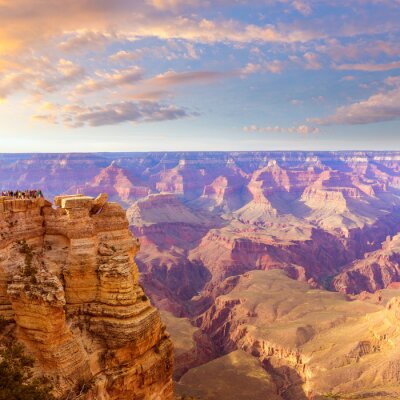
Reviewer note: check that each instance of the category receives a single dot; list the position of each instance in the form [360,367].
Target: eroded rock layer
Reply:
[315,344]
[69,281]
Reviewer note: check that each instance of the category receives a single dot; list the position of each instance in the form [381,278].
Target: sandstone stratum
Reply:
[70,293]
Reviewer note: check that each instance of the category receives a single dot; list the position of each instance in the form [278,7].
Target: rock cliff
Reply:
[376,270]
[69,283]
[315,344]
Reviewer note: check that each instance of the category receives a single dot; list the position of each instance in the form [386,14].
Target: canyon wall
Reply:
[315,344]
[70,285]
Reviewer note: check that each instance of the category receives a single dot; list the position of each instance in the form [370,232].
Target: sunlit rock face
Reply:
[69,281]
[376,270]
[312,342]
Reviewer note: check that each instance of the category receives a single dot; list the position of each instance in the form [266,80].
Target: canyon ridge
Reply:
[278,271]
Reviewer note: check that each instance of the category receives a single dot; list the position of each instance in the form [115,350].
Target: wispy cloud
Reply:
[172,78]
[274,67]
[383,106]
[124,56]
[127,60]
[40,75]
[299,129]
[110,80]
[369,67]
[303,7]
[75,116]
[86,39]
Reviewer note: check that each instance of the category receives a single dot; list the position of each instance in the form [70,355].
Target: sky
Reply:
[165,75]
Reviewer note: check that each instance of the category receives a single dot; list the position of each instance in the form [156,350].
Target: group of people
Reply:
[22,194]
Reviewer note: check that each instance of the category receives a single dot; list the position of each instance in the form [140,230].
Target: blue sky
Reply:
[199,75]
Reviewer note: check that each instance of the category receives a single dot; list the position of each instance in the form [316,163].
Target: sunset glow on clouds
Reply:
[145,75]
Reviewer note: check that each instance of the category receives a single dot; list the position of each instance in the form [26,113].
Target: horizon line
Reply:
[204,151]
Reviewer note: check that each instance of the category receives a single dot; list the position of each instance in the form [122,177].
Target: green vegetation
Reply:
[16,382]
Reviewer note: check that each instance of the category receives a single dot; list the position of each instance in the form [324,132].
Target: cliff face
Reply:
[315,344]
[68,279]
[376,270]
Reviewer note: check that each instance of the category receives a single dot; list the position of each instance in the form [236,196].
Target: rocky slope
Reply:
[376,270]
[313,343]
[236,375]
[69,283]
[117,182]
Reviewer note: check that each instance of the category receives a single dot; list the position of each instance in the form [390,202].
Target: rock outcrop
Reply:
[376,270]
[315,344]
[69,281]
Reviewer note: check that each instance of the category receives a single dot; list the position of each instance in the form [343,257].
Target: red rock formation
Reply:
[70,283]
[117,183]
[377,270]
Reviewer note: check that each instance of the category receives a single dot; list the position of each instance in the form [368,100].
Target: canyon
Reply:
[276,270]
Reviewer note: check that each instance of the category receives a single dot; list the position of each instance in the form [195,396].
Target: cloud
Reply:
[45,118]
[77,24]
[173,50]
[62,36]
[299,129]
[302,7]
[127,76]
[12,82]
[173,78]
[380,107]
[274,66]
[70,70]
[369,67]
[40,75]
[133,78]
[151,95]
[358,49]
[116,113]
[296,102]
[191,52]
[123,55]
[211,31]
[174,4]
[311,61]
[86,39]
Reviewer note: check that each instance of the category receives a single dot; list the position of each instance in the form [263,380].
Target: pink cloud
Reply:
[171,78]
[274,66]
[380,107]
[302,7]
[311,61]
[356,50]
[108,81]
[369,67]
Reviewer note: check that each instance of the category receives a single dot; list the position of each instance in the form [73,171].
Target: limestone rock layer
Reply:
[69,281]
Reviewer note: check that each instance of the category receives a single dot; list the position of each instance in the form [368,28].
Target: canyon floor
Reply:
[277,271]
